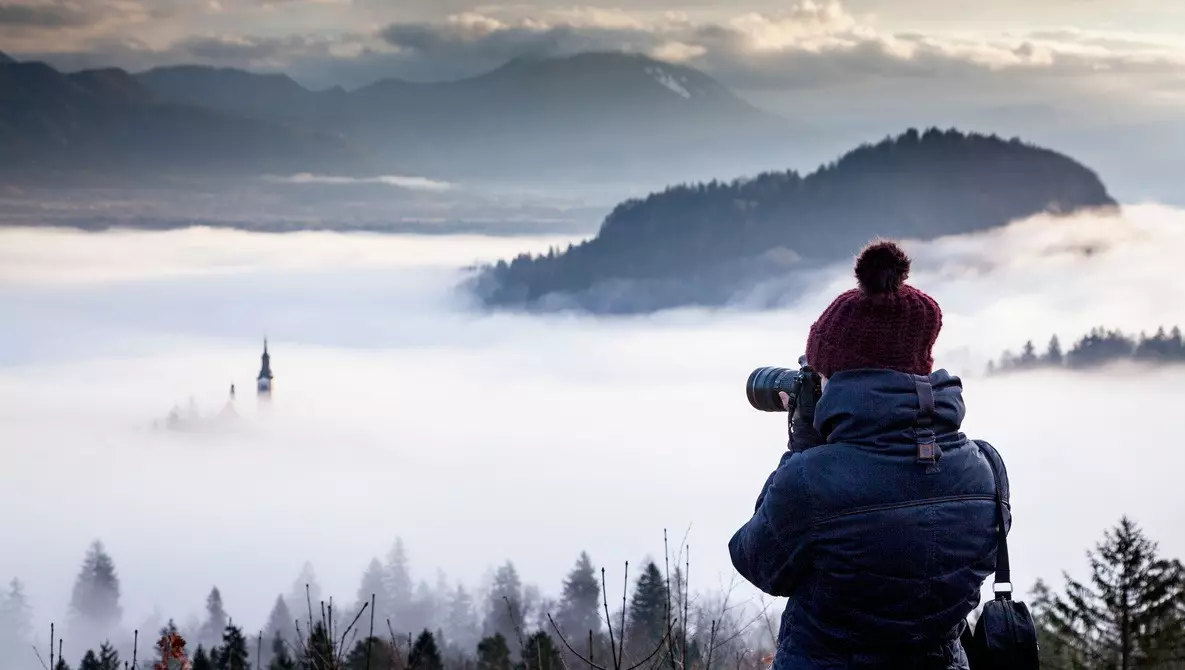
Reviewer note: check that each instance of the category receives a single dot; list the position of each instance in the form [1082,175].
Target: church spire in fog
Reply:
[263,384]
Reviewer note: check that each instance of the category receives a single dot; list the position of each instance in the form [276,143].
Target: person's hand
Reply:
[800,423]
[785,400]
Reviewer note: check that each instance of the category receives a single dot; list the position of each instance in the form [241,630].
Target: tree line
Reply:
[392,625]
[1099,347]
[1128,613]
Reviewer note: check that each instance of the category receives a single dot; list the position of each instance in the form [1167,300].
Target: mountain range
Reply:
[107,121]
[758,240]
[589,115]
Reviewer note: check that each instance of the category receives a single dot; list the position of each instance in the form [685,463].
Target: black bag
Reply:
[1005,634]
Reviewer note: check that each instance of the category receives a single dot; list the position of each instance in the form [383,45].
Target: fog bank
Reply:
[477,438]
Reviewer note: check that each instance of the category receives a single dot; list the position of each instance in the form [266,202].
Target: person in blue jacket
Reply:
[879,523]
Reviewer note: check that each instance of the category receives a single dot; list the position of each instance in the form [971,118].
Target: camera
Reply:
[765,383]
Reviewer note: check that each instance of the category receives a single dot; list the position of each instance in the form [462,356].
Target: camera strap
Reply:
[928,450]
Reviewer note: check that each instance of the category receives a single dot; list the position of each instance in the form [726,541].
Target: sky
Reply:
[477,438]
[753,44]
[1101,80]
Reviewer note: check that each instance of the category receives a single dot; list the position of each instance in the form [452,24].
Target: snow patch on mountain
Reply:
[670,82]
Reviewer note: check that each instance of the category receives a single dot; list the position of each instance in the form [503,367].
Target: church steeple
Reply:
[263,383]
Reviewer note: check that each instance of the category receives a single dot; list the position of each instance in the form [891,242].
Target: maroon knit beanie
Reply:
[883,324]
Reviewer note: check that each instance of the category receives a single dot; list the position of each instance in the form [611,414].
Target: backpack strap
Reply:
[1002,585]
[928,450]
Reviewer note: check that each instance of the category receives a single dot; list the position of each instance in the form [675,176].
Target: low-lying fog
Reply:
[398,411]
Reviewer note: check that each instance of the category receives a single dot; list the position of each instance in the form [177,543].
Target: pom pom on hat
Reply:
[881,268]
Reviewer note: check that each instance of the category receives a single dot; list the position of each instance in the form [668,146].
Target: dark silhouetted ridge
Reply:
[709,243]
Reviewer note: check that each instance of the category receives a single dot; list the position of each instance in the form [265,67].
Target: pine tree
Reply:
[216,619]
[425,655]
[493,653]
[397,582]
[109,657]
[61,665]
[382,655]
[281,622]
[1125,615]
[94,602]
[16,622]
[373,585]
[1054,653]
[233,654]
[422,613]
[201,659]
[305,594]
[1053,353]
[504,607]
[461,622]
[281,659]
[541,653]
[90,662]
[1028,356]
[319,653]
[648,610]
[579,607]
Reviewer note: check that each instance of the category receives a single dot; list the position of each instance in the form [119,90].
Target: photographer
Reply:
[879,522]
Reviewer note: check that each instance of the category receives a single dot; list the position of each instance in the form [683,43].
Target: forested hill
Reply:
[708,243]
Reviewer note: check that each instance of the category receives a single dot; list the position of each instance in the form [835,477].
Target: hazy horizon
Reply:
[394,397]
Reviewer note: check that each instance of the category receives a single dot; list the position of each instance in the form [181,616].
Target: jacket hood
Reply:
[883,407]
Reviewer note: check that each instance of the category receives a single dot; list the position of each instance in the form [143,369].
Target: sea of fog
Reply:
[400,411]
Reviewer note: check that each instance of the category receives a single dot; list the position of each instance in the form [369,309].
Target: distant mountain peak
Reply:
[5,58]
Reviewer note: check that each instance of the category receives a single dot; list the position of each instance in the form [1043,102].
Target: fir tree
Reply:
[216,619]
[281,622]
[425,655]
[61,664]
[504,607]
[16,622]
[90,662]
[373,585]
[493,653]
[109,657]
[461,622]
[1124,616]
[648,610]
[422,613]
[94,602]
[281,659]
[319,653]
[579,607]
[201,660]
[541,653]
[397,582]
[1028,356]
[1053,353]
[305,594]
[382,655]
[233,655]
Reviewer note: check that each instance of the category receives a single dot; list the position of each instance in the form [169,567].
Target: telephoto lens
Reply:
[765,383]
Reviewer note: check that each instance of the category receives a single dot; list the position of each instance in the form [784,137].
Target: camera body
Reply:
[765,383]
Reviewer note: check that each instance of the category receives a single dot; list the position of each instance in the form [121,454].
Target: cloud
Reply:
[400,412]
[809,44]
[413,183]
[44,15]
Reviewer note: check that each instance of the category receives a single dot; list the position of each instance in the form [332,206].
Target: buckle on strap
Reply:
[928,450]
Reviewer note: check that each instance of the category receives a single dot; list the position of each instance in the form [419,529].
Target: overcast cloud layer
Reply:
[1102,80]
[400,412]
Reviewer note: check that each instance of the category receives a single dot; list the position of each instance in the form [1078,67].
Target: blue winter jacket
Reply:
[881,533]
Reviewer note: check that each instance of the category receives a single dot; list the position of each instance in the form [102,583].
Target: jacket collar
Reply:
[882,407]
